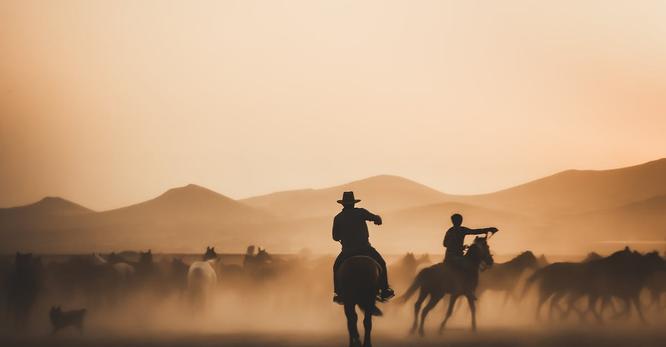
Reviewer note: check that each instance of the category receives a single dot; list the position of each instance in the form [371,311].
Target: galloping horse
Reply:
[201,278]
[359,278]
[438,280]
[505,277]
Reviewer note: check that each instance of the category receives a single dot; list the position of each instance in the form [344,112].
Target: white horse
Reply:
[201,281]
[123,271]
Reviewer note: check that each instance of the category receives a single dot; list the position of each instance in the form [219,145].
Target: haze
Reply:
[109,103]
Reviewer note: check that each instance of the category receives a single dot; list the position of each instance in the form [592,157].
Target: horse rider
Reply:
[351,230]
[454,240]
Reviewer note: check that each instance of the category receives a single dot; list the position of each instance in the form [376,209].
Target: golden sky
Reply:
[108,103]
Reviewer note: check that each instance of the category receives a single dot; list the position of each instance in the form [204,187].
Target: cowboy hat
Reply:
[348,198]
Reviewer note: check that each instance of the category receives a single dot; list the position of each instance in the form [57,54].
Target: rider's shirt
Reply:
[350,229]
[454,240]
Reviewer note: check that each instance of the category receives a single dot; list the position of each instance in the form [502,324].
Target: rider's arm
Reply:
[469,231]
[372,217]
[336,230]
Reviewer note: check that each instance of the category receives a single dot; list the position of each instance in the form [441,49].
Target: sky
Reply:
[108,103]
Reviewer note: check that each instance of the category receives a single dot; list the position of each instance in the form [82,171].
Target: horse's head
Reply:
[481,251]
[409,259]
[424,259]
[263,256]
[592,256]
[210,254]
[146,257]
[528,260]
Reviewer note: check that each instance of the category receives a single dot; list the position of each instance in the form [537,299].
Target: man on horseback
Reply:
[454,240]
[351,230]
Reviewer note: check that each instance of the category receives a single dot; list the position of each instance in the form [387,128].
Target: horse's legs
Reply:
[543,296]
[417,308]
[555,303]
[434,299]
[592,307]
[367,325]
[352,318]
[626,310]
[637,303]
[449,311]
[472,308]
[572,302]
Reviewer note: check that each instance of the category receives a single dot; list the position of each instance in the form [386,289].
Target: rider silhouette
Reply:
[454,240]
[351,230]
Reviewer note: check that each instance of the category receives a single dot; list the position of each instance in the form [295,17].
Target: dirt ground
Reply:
[453,338]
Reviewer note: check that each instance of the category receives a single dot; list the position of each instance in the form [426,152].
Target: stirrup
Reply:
[385,295]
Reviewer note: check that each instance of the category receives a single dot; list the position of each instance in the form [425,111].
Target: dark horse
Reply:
[359,278]
[25,284]
[438,280]
[505,277]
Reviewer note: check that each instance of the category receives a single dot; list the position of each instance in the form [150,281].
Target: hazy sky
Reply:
[108,103]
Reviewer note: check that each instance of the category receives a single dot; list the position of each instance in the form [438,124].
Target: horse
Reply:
[24,286]
[359,285]
[261,265]
[656,285]
[177,276]
[505,277]
[201,277]
[404,270]
[621,275]
[622,278]
[440,279]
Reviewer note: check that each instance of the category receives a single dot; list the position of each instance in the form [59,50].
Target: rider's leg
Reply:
[336,265]
[383,277]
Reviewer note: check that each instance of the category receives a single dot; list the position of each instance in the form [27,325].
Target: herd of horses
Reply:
[589,288]
[104,281]
[596,283]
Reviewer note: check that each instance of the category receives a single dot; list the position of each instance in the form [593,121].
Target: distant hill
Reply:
[48,206]
[380,193]
[569,212]
[579,191]
[50,212]
[181,218]
[191,203]
[642,220]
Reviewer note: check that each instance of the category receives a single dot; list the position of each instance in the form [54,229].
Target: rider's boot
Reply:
[386,294]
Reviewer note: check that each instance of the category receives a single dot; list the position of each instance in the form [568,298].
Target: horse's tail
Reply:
[416,284]
[530,280]
[373,310]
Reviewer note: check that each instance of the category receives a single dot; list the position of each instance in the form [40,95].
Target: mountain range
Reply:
[568,212]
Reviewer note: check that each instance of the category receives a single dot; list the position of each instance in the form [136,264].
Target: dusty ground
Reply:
[494,338]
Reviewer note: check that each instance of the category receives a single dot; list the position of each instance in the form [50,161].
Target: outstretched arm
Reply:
[469,231]
[373,217]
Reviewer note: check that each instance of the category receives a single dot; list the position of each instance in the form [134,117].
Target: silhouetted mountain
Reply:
[643,220]
[190,215]
[579,191]
[48,206]
[564,213]
[191,204]
[381,193]
[50,212]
